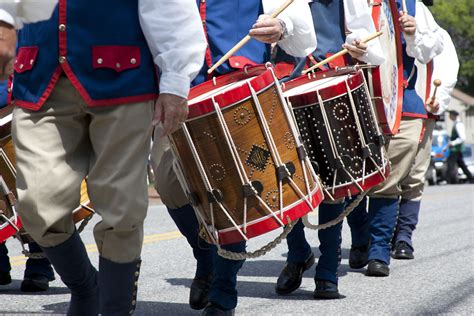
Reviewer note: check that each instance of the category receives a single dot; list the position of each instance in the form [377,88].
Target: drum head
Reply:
[386,81]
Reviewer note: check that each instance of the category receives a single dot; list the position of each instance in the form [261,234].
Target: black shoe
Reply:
[5,278]
[358,256]
[291,276]
[378,269]
[199,294]
[35,283]
[402,251]
[326,290]
[214,310]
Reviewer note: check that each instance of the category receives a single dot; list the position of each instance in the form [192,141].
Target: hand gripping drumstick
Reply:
[340,53]
[246,39]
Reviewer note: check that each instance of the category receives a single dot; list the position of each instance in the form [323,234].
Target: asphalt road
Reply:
[439,280]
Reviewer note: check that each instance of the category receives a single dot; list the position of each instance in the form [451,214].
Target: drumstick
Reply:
[340,53]
[404,7]
[246,39]
[436,83]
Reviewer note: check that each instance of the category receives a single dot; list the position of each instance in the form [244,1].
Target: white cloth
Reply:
[301,39]
[427,42]
[446,67]
[461,130]
[360,25]
[19,12]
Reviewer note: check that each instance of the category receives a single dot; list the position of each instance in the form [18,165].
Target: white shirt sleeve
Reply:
[446,67]
[360,24]
[176,39]
[19,12]
[460,129]
[301,39]
[427,42]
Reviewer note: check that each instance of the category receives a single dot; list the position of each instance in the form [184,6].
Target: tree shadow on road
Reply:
[144,308]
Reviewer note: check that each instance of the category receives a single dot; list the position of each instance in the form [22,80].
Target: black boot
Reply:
[402,251]
[358,256]
[71,262]
[199,294]
[118,287]
[291,276]
[326,290]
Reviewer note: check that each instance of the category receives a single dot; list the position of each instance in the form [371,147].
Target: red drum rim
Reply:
[308,98]
[266,224]
[350,189]
[385,125]
[8,231]
[263,79]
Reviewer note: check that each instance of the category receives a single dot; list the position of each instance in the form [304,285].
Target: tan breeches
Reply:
[402,149]
[64,142]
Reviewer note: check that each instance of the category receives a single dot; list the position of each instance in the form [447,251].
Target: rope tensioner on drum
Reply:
[337,220]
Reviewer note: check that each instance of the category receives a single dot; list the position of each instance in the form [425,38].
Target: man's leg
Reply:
[412,191]
[223,294]
[52,148]
[118,189]
[453,167]
[384,198]
[464,168]
[5,267]
[300,258]
[358,221]
[330,248]
[183,214]
[38,272]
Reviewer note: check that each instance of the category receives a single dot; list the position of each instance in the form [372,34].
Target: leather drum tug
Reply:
[339,128]
[240,158]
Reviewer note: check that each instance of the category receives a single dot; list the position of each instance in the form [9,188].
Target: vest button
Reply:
[117,65]
[62,59]
[21,66]
[62,27]
[32,61]
[100,61]
[133,61]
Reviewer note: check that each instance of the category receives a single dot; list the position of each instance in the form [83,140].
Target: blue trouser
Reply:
[329,239]
[223,289]
[358,221]
[407,220]
[187,223]
[5,266]
[329,242]
[33,266]
[382,221]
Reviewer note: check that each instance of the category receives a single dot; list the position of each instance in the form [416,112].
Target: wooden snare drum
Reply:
[240,158]
[386,81]
[340,131]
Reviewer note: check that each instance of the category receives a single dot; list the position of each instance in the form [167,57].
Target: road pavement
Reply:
[439,280]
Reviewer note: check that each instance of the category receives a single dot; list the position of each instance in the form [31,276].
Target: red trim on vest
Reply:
[416,115]
[202,12]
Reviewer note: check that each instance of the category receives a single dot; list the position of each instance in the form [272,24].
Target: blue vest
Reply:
[413,105]
[100,47]
[329,24]
[227,22]
[3,93]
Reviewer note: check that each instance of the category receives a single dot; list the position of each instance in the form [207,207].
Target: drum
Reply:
[386,81]
[8,173]
[339,128]
[240,159]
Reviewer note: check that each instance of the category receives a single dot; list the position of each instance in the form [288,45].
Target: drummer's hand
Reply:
[7,49]
[267,29]
[432,107]
[357,50]
[171,110]
[407,23]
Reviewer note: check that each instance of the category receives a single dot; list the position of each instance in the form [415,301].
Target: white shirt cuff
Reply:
[174,83]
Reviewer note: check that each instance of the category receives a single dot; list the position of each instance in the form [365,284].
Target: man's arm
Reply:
[459,126]
[360,24]
[300,38]
[176,39]
[426,42]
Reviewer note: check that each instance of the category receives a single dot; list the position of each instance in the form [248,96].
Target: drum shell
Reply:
[209,139]
[343,128]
